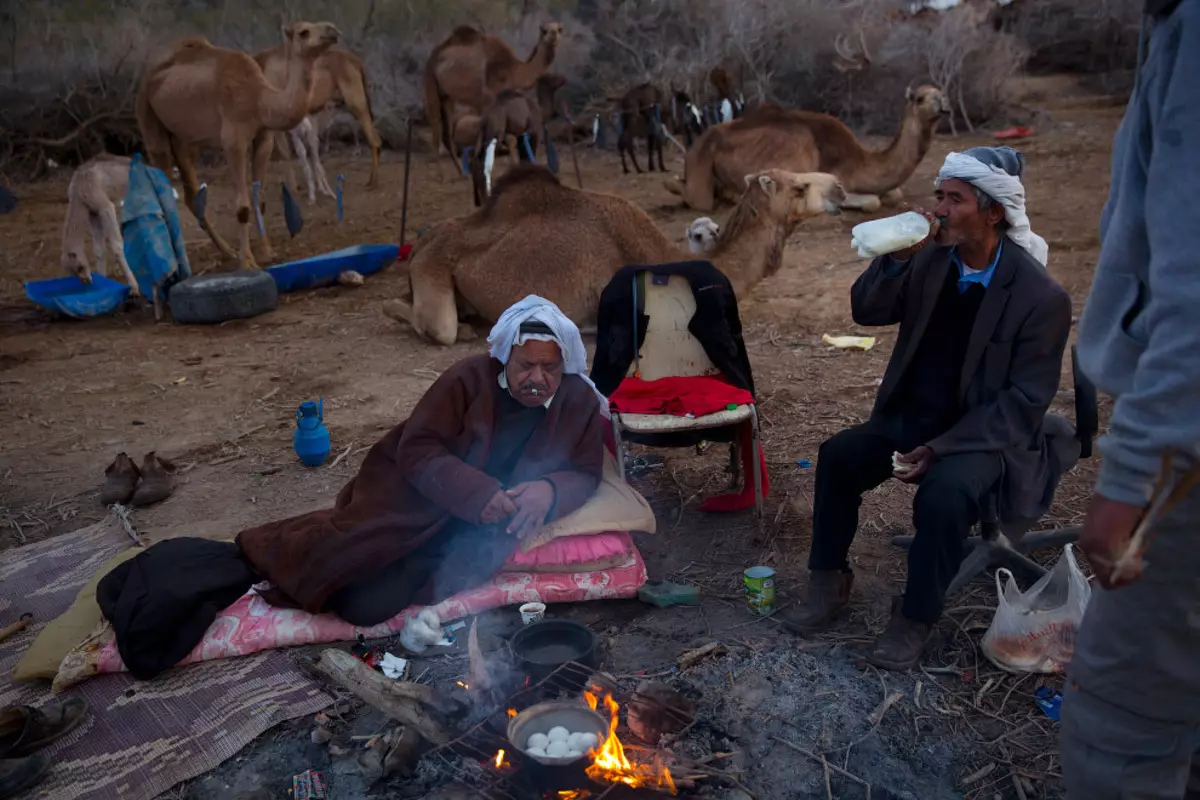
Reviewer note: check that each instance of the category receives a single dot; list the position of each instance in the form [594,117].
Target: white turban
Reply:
[1005,189]
[506,334]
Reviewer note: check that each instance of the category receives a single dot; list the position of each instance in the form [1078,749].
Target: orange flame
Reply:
[573,794]
[500,758]
[463,685]
[512,712]
[610,763]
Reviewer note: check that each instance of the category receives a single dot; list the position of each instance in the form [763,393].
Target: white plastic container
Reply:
[880,236]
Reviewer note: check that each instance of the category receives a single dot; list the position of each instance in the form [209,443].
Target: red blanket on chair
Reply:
[698,396]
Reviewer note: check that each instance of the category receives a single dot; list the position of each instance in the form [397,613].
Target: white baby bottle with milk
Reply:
[880,236]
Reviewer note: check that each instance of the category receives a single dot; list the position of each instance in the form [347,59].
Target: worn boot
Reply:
[900,645]
[24,729]
[158,481]
[120,480]
[828,596]
[18,774]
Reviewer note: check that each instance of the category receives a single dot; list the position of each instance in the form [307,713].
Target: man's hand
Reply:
[909,252]
[499,508]
[1106,532]
[919,461]
[533,500]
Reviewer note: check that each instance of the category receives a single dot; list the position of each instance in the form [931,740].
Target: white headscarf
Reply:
[1005,189]
[506,334]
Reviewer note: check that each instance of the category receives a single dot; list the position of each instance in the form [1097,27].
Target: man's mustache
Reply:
[535,389]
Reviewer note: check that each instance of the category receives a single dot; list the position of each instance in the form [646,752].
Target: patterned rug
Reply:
[141,737]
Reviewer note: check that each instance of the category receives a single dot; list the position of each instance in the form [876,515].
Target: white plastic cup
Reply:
[532,612]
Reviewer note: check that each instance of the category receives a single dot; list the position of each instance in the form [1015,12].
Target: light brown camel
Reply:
[464,127]
[510,116]
[338,77]
[470,68]
[804,141]
[203,95]
[536,236]
[96,190]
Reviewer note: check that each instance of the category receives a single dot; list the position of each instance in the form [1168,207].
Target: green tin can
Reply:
[760,589]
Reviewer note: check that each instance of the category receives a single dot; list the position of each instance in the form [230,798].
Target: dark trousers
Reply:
[946,506]
[457,558]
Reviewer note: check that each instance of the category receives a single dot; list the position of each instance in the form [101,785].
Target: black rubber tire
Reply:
[209,299]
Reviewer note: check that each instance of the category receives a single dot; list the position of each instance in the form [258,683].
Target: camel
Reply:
[464,126]
[95,191]
[511,116]
[203,95]
[536,236]
[641,116]
[470,68]
[339,76]
[805,141]
[306,144]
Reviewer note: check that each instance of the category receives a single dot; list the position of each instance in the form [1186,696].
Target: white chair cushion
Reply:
[661,423]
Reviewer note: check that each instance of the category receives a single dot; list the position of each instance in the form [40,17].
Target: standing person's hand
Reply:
[1107,530]
[499,508]
[533,500]
[919,461]
[909,252]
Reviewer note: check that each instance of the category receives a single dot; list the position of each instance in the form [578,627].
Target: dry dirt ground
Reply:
[221,401]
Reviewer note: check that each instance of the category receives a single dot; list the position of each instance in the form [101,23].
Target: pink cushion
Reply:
[567,550]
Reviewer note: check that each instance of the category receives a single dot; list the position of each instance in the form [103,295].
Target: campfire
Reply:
[610,765]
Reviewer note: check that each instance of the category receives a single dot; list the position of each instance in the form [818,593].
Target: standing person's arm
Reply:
[1162,409]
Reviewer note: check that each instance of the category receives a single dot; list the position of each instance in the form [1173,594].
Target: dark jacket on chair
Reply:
[715,324]
[1011,363]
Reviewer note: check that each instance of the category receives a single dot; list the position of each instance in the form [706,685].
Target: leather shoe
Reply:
[828,596]
[901,644]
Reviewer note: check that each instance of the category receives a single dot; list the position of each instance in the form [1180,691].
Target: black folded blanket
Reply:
[161,602]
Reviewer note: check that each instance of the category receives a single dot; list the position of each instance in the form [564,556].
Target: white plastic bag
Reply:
[1034,631]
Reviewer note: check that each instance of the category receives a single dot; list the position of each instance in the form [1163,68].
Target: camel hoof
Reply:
[466,333]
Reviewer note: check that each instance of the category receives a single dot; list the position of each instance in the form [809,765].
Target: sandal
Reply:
[24,729]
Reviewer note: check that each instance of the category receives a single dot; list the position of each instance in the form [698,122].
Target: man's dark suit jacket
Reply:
[1012,367]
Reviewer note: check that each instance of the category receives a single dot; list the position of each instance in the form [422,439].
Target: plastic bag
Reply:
[1034,631]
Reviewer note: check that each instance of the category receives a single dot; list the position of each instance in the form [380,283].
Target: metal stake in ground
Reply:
[404,196]
[571,142]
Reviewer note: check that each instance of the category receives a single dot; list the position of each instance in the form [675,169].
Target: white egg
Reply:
[538,740]
[573,741]
[559,734]
[574,754]
[540,752]
[588,741]
[557,749]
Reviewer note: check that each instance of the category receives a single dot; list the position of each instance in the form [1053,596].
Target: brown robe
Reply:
[424,473]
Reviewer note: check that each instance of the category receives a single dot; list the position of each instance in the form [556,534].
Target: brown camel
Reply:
[470,68]
[536,236]
[464,127]
[641,115]
[203,95]
[804,141]
[510,116]
[338,76]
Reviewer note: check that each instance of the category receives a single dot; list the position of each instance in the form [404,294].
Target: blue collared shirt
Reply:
[967,276]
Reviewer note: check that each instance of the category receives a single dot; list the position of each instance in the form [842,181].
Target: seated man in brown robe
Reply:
[501,444]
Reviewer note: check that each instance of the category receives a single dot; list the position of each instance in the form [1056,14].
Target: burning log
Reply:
[419,707]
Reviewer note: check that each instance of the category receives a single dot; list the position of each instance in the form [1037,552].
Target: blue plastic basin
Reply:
[73,297]
[323,270]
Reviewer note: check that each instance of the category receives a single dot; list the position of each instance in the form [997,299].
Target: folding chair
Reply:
[669,350]
[994,547]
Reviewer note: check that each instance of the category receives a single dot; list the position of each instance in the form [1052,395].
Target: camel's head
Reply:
[795,196]
[551,33]
[702,235]
[75,263]
[311,38]
[928,102]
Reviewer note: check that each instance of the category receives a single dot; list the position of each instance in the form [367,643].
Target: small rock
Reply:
[321,735]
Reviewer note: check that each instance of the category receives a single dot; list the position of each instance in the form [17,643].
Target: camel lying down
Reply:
[536,236]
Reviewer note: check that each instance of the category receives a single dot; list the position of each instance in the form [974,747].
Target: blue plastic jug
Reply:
[311,440]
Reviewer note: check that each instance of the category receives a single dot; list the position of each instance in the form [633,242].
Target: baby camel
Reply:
[307,144]
[96,190]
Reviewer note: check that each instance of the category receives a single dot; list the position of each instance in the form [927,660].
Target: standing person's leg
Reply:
[849,463]
[947,504]
[1131,710]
